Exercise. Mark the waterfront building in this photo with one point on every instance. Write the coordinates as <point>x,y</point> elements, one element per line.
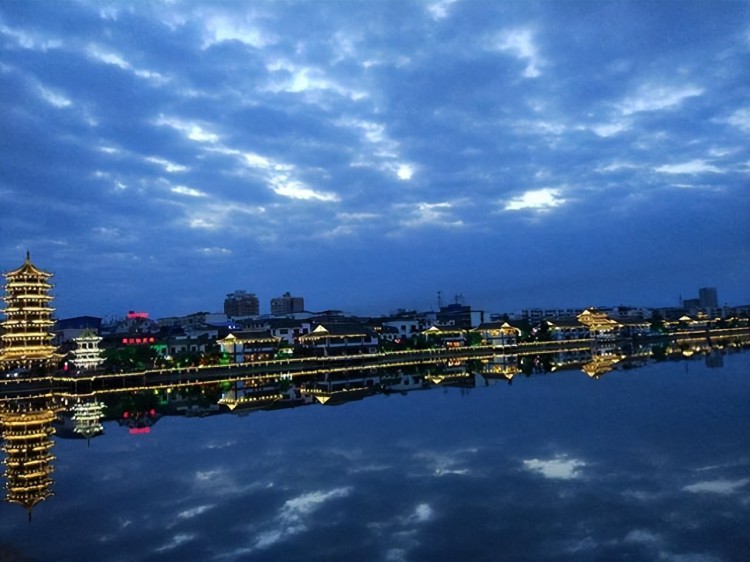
<point>26,342</point>
<point>241,303</point>
<point>405,326</point>
<point>286,329</point>
<point>27,439</point>
<point>498,334</point>
<point>340,339</point>
<point>536,315</point>
<point>631,327</point>
<point>566,329</point>
<point>446,335</point>
<point>249,346</point>
<point>87,356</point>
<point>287,304</point>
<point>600,325</point>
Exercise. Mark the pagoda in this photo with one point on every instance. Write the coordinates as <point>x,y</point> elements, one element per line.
<point>26,340</point>
<point>87,356</point>
<point>27,439</point>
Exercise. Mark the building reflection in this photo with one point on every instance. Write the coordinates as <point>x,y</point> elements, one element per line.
<point>27,442</point>
<point>34,410</point>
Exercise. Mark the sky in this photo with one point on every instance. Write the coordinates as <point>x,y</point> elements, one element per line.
<point>158,155</point>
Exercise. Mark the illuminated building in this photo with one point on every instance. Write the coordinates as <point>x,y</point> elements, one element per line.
<point>249,346</point>
<point>87,355</point>
<point>339,339</point>
<point>287,304</point>
<point>447,335</point>
<point>241,303</point>
<point>27,337</point>
<point>27,440</point>
<point>599,324</point>
<point>499,334</point>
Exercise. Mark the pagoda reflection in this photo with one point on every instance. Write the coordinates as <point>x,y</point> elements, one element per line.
<point>27,442</point>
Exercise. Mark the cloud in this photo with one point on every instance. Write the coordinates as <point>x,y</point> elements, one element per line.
<point>560,468</point>
<point>297,190</point>
<point>422,513</point>
<point>692,167</point>
<point>642,536</point>
<point>721,486</point>
<point>168,166</point>
<point>656,98</point>
<point>292,517</point>
<point>194,512</point>
<point>428,214</point>
<point>191,130</point>
<point>520,43</point>
<point>440,10</point>
<point>29,40</point>
<point>54,98</point>
<point>221,28</point>
<point>740,119</point>
<point>178,540</point>
<point>102,55</point>
<point>536,200</point>
<point>189,191</point>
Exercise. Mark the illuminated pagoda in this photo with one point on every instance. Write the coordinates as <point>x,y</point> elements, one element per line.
<point>27,440</point>
<point>87,356</point>
<point>26,341</point>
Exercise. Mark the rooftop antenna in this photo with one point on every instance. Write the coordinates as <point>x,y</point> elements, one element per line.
<point>440,300</point>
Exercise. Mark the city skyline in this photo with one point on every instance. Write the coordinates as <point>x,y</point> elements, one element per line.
<point>367,155</point>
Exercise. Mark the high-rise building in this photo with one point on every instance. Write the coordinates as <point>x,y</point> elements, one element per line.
<point>708,297</point>
<point>241,303</point>
<point>27,339</point>
<point>287,304</point>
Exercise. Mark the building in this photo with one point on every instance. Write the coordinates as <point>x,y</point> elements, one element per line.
<point>26,341</point>
<point>600,325</point>
<point>498,334</point>
<point>561,329</point>
<point>339,339</point>
<point>87,356</point>
<point>241,303</point>
<point>287,304</point>
<point>248,346</point>
<point>67,329</point>
<point>708,298</point>
<point>460,315</point>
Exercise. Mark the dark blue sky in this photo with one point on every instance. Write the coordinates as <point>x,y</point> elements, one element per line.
<point>156,156</point>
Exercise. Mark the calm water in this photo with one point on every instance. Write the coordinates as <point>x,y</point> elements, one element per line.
<point>643,464</point>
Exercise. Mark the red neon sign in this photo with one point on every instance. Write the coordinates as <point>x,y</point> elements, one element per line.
<point>133,315</point>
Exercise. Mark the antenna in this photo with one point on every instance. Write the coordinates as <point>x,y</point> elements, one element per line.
<point>440,300</point>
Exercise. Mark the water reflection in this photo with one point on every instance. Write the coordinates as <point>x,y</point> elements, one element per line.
<point>76,412</point>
